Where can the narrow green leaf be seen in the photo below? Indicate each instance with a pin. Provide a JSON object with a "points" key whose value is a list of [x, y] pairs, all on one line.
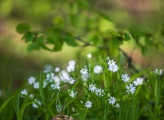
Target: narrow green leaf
{"points": [[22, 28], [5, 103], [41, 89], [22, 110]]}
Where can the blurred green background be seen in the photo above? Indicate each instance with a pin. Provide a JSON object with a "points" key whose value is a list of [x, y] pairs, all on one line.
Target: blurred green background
{"points": [[17, 64]]}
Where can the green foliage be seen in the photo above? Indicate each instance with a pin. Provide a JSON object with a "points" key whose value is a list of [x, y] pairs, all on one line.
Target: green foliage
{"points": [[23, 28], [84, 22], [5, 104], [49, 100], [82, 25]]}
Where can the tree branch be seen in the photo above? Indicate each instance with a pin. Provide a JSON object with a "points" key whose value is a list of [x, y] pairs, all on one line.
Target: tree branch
{"points": [[129, 59]]}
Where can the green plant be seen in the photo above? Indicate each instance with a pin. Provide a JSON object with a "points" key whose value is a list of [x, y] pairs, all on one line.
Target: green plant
{"points": [[99, 90]]}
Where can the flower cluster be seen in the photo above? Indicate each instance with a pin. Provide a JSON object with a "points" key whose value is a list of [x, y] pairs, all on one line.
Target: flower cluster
{"points": [[112, 66], [98, 91], [64, 79], [158, 71]]}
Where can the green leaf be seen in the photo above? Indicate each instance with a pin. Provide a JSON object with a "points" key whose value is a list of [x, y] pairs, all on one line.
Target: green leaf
{"points": [[58, 46], [59, 21], [144, 50], [162, 30], [45, 47], [127, 35], [22, 110], [73, 20], [22, 28], [113, 45], [51, 39], [68, 38], [83, 4], [28, 36], [41, 93], [97, 39], [103, 15], [32, 46], [5, 103], [159, 46], [40, 39]]}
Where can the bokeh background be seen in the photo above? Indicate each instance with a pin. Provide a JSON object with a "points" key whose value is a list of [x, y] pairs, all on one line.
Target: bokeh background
{"points": [[17, 64]]}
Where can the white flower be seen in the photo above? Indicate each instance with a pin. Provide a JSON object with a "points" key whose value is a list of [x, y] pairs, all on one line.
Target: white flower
{"points": [[138, 81], [44, 84], [72, 94], [88, 104], [56, 79], [31, 96], [131, 88], [92, 87], [64, 76], [112, 100], [31, 80], [24, 92], [97, 69], [38, 102], [125, 77], [111, 63], [71, 80], [117, 105], [57, 69], [113, 68], [36, 85], [55, 86], [72, 63], [99, 92], [85, 77], [158, 71], [84, 71], [50, 77], [34, 105], [89, 55], [70, 68], [45, 71]]}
